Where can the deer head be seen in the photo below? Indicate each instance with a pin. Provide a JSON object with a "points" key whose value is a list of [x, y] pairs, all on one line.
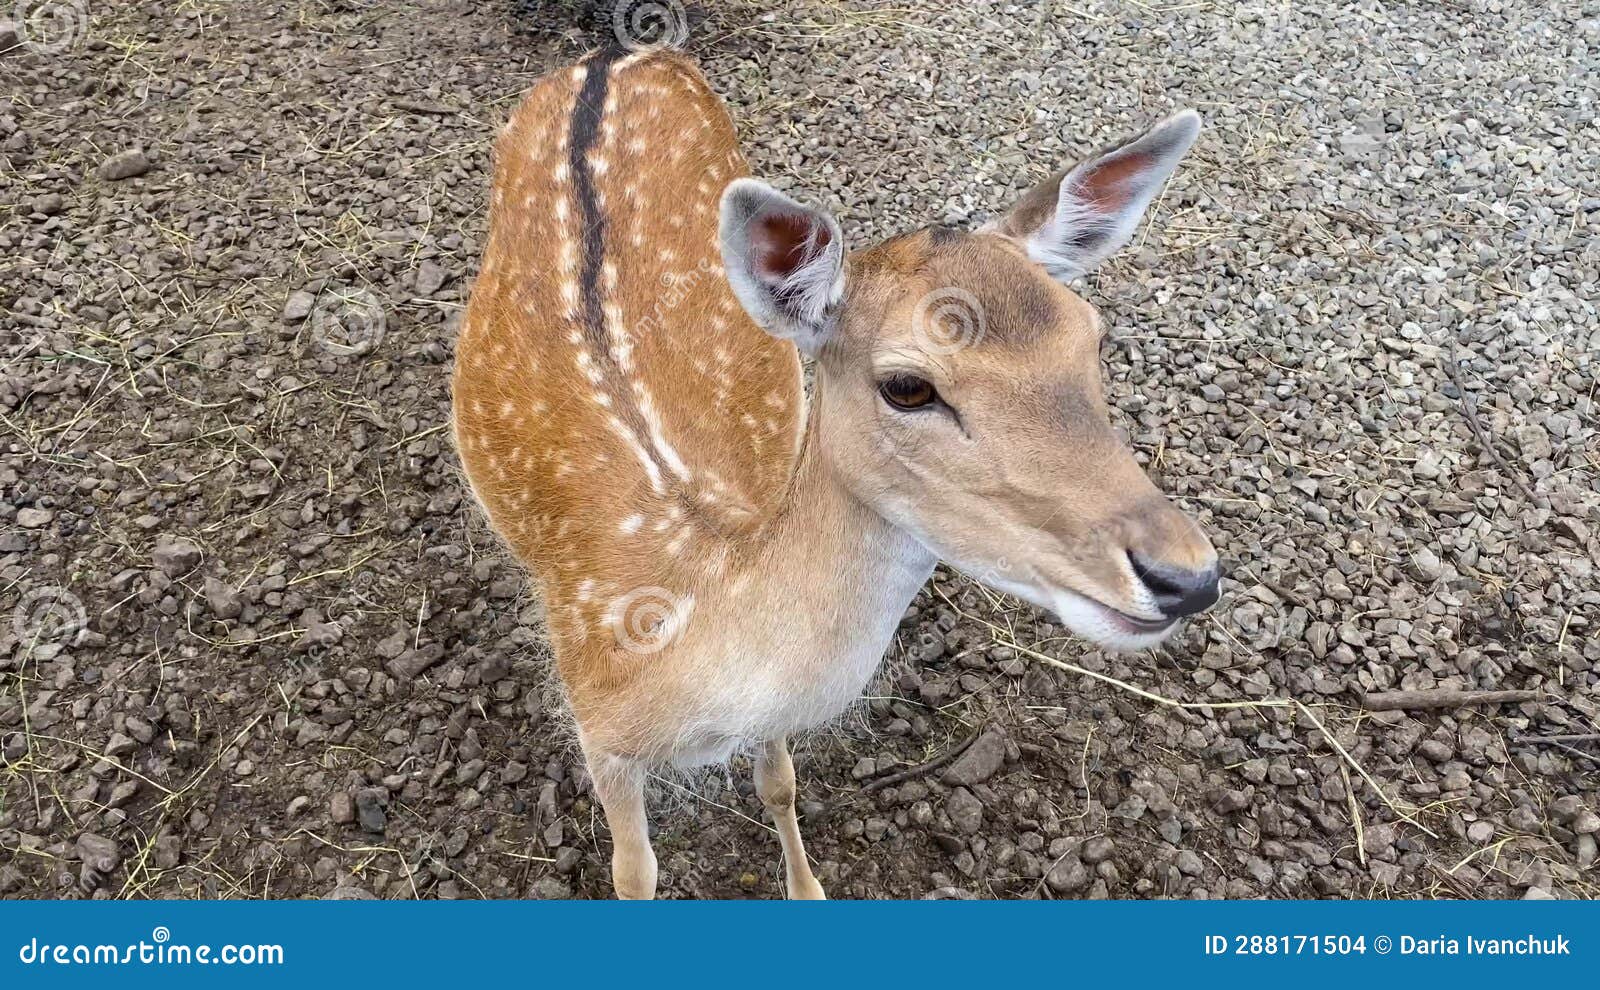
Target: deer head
{"points": [[958, 388]]}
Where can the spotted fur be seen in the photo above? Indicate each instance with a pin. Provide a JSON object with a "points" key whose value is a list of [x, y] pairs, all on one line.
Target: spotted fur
{"points": [[618, 414]]}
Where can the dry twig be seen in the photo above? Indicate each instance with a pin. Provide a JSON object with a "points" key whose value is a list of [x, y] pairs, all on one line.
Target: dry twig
{"points": [[902, 776], [1400, 701], [1469, 406]]}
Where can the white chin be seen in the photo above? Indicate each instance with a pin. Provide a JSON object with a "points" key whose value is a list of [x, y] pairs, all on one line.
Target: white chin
{"points": [[1108, 628]]}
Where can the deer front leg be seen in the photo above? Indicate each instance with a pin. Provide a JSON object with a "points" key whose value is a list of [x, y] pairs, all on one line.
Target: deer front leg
{"points": [[775, 784], [619, 784]]}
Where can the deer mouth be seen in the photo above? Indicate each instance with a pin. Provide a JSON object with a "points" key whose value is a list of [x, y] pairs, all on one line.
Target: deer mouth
{"points": [[1109, 626], [1135, 625]]}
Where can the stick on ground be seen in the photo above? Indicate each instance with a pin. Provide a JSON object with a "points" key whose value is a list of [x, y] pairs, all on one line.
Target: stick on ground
{"points": [[1469, 407], [1399, 701], [902, 776], [1572, 738]]}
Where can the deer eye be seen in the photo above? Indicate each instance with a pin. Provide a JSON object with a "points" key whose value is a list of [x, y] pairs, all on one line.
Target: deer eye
{"points": [[907, 392]]}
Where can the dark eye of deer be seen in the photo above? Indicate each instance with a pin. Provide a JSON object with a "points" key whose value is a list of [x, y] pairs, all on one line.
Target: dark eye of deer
{"points": [[907, 392]]}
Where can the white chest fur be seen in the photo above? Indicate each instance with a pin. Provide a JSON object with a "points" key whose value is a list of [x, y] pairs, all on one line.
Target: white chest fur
{"points": [[800, 663]]}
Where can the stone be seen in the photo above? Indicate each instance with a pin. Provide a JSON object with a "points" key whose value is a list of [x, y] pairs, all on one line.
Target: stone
{"points": [[980, 761], [1584, 850], [410, 664], [1097, 850], [176, 557], [223, 599], [371, 810], [98, 852], [1068, 876], [1357, 144], [298, 306], [341, 808], [568, 859], [1436, 750], [31, 518], [965, 810], [1534, 443], [430, 279], [128, 164], [1425, 565]]}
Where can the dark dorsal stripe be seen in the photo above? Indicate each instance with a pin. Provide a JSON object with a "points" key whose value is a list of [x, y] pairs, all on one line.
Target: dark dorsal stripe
{"points": [[584, 135], [587, 113]]}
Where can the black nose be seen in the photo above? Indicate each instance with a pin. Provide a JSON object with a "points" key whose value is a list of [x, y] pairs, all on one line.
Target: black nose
{"points": [[1178, 591]]}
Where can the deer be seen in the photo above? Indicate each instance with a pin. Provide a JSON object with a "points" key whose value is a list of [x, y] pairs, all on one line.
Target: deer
{"points": [[723, 558]]}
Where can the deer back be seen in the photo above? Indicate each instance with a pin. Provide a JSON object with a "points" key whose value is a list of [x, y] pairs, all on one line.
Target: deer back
{"points": [[617, 413]]}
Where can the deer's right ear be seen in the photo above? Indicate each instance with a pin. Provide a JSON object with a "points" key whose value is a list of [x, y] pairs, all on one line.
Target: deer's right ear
{"points": [[785, 262]]}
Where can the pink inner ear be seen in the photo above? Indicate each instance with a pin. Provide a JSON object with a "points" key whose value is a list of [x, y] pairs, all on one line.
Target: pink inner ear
{"points": [[1109, 187], [786, 241]]}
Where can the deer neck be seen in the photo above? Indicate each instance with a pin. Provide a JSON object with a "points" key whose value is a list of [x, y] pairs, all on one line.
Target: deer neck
{"points": [[838, 573]]}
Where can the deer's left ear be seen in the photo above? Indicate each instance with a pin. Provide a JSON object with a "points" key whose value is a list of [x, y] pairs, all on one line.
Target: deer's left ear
{"points": [[1073, 220]]}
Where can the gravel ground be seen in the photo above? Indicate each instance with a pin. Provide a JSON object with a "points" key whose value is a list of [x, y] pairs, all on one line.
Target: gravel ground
{"points": [[1358, 339]]}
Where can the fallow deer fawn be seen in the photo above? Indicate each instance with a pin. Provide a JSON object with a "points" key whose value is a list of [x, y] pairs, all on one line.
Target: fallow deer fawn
{"points": [[724, 563]]}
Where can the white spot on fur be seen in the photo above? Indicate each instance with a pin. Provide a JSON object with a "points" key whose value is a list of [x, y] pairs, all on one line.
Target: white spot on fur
{"points": [[654, 425], [651, 471]]}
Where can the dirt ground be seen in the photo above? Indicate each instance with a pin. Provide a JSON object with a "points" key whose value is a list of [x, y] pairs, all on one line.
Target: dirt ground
{"points": [[255, 640]]}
